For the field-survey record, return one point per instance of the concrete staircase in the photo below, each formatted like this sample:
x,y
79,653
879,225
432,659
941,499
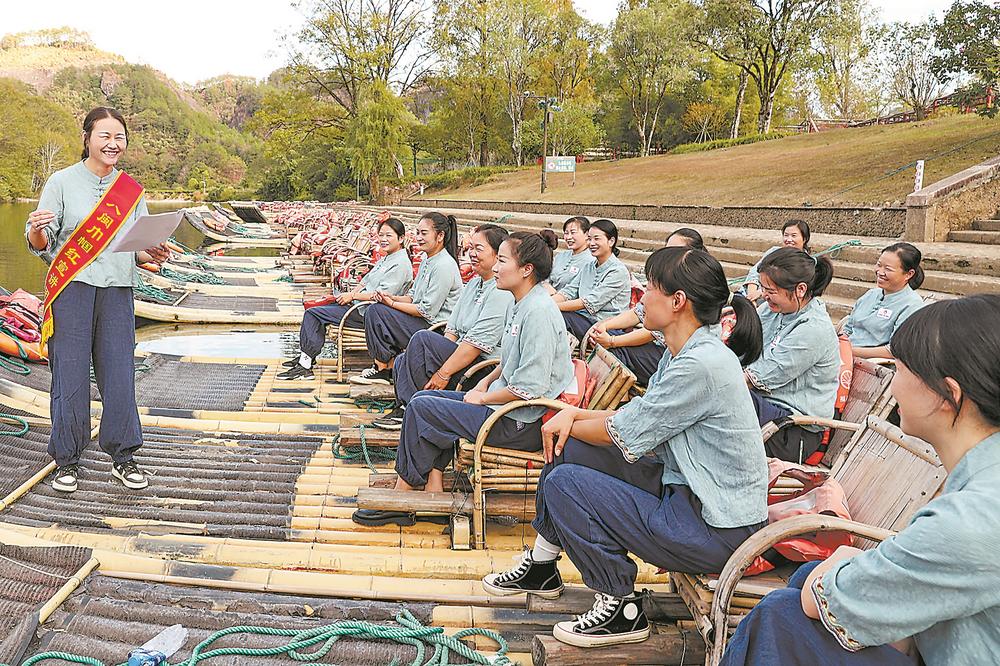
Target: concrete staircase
x,y
952,269
986,232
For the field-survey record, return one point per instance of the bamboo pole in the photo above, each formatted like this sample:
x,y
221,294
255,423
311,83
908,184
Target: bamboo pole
x,y
67,589
23,489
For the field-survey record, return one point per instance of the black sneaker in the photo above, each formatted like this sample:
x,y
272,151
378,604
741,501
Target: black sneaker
x,y
65,480
291,363
541,578
373,375
130,475
612,621
296,372
377,517
391,421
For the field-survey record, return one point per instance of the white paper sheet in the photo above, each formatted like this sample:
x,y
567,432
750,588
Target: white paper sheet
x,y
146,232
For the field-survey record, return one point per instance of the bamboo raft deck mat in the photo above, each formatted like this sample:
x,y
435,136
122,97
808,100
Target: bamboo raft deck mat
x,y
199,308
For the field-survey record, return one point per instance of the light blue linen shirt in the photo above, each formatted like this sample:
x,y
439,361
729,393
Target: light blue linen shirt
x,y
877,315
566,266
71,195
938,580
606,290
800,366
436,287
392,274
698,419
534,353
480,316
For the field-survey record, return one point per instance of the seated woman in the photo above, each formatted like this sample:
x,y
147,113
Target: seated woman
x,y
686,507
566,265
390,275
392,320
799,371
795,234
602,288
639,349
880,312
932,592
433,361
534,363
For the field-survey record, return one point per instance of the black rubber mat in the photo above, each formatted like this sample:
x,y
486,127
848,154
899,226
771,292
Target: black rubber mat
x,y
229,303
21,456
170,383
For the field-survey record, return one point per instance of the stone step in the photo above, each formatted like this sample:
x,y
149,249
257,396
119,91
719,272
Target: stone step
x,y
979,237
986,225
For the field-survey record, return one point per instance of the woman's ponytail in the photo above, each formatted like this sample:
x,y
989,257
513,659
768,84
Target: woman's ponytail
x,y
747,338
451,236
823,277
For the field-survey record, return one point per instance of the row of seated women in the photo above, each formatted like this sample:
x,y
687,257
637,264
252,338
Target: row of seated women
x,y
678,476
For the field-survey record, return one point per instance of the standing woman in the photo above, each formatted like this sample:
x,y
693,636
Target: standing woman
x,y
882,310
931,593
602,288
391,274
89,311
566,265
686,507
534,363
640,349
392,320
799,370
432,361
795,234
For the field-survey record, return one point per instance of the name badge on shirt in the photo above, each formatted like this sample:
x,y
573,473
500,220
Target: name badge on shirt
x,y
574,269
884,313
514,328
774,343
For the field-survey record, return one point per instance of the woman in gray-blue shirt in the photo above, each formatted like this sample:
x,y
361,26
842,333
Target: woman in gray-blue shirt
x,y
602,288
534,363
676,477
794,234
567,264
392,320
432,361
881,311
94,315
931,593
799,370
392,274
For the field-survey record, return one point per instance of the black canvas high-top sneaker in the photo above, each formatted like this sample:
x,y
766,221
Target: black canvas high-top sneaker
x,y
612,621
541,578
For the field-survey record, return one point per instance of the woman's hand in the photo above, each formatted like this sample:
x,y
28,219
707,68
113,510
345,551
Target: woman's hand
x,y
556,432
345,299
439,382
159,254
40,219
599,335
474,397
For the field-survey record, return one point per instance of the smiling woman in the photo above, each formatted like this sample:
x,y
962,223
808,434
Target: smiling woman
x,y
89,317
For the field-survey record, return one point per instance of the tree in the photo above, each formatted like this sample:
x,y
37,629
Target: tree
x,y
703,120
844,45
763,38
909,52
647,55
376,134
968,43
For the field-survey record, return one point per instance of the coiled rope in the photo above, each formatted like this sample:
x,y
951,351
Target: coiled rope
x,y
357,453
11,364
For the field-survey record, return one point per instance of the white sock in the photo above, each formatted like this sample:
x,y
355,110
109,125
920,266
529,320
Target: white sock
x,y
544,551
305,361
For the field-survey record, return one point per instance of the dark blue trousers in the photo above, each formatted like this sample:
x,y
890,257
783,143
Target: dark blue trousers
x,y
312,332
388,331
578,324
599,517
791,443
777,631
766,410
436,420
424,356
642,360
93,323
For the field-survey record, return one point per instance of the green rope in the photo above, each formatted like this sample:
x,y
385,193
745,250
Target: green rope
x,y
322,639
205,266
374,405
18,366
363,451
6,418
154,293
195,276
246,231
284,278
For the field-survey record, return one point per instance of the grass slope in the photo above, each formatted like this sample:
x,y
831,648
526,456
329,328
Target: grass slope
x,y
784,172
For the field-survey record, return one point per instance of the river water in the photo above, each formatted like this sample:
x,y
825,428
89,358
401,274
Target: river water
x,y
21,269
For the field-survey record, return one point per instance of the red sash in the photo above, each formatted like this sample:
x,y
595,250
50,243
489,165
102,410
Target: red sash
x,y
88,240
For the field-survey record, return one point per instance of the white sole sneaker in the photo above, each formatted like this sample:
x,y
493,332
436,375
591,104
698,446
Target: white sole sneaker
x,y
498,591
129,484
64,487
567,636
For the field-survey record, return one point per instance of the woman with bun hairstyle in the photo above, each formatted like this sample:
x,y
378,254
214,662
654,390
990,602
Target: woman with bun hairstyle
x,y
677,477
798,372
392,320
392,274
931,593
881,311
534,363
602,288
567,264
